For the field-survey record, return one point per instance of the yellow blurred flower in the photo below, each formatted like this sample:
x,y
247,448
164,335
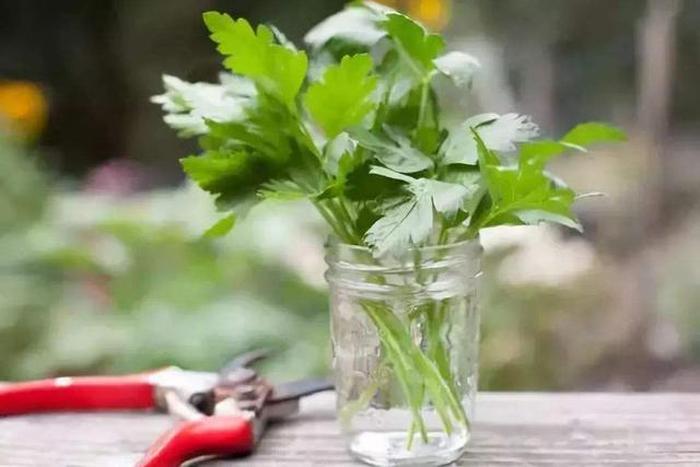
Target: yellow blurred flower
x,y
433,13
23,107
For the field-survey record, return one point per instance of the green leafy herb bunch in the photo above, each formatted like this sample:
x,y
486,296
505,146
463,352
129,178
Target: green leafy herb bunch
x,y
354,126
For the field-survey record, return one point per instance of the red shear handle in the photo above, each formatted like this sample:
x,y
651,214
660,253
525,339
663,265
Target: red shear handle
x,y
80,393
209,436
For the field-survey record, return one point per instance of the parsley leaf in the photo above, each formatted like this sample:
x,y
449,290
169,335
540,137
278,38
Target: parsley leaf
x,y
334,151
589,133
394,151
341,161
408,221
344,96
221,227
281,190
229,175
417,47
363,187
538,153
275,68
267,129
498,133
189,105
388,173
458,66
358,23
522,193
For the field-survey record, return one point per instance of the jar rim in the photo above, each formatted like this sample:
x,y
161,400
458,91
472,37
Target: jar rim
x,y
358,258
333,242
354,267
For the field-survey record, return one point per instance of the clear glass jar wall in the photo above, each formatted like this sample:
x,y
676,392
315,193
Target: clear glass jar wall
x,y
405,351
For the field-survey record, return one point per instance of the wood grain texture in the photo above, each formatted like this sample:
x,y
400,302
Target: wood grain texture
x,y
510,429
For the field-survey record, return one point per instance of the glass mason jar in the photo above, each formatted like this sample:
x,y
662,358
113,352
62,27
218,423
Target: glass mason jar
x,y
405,348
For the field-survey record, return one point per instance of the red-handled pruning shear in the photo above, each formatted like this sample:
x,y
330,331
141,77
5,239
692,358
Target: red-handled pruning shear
x,y
223,414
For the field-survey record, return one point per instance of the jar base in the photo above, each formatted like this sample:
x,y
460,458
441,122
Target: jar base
x,y
388,448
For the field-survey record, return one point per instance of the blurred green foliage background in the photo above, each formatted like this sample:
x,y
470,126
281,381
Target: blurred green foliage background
x,y
103,267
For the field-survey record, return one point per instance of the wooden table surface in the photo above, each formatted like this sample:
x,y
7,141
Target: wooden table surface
x,y
569,429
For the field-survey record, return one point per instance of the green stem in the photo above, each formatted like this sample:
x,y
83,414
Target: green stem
x,y
347,219
409,361
438,353
444,231
435,320
365,397
401,367
425,86
337,226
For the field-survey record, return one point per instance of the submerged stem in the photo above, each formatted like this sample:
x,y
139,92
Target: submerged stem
x,y
401,366
418,376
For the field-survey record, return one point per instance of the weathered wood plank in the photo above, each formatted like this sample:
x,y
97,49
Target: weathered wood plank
x,y
510,429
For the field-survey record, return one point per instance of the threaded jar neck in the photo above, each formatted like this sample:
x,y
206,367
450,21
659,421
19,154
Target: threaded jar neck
x,y
439,269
